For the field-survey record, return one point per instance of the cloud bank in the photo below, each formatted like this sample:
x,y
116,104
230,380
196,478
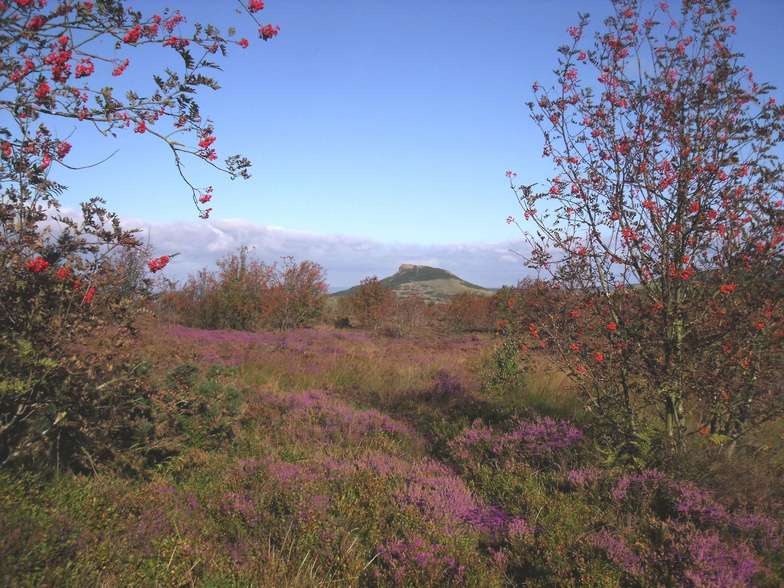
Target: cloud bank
x,y
345,259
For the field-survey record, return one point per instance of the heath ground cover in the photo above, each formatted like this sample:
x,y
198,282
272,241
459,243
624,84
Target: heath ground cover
x,y
331,456
617,421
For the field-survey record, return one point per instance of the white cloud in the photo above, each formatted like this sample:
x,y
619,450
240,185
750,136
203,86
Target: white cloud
x,y
346,259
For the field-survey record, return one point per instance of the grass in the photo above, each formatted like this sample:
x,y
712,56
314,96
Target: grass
x,y
326,457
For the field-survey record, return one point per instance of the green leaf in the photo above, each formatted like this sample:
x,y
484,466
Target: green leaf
x,y
718,439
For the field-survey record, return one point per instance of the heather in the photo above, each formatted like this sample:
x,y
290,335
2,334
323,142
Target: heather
x,y
615,422
371,468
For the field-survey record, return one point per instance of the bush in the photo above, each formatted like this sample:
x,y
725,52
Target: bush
x,y
247,294
368,304
407,316
468,313
297,296
663,222
71,391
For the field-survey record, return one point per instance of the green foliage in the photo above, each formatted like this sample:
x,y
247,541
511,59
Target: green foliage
x,y
263,475
506,369
641,450
72,390
183,376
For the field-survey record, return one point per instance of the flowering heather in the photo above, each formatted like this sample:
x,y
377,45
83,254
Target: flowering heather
x,y
322,467
241,504
192,501
320,502
238,551
519,528
703,553
492,521
295,340
685,500
583,477
617,551
428,488
337,417
287,473
714,563
690,557
417,561
766,531
540,441
478,433
446,387
152,525
544,436
642,481
383,464
697,504
312,508
332,468
439,495
165,490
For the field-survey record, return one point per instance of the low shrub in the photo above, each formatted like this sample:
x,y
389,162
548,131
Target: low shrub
x,y
247,294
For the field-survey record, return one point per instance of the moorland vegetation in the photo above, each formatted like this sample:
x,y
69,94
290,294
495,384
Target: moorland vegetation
x,y
615,422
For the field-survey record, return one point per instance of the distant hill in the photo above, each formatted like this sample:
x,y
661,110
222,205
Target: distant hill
x,y
431,283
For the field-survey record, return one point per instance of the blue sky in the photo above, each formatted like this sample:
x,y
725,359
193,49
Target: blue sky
x,y
391,122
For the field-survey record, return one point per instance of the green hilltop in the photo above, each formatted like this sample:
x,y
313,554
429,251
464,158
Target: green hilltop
x,y
431,283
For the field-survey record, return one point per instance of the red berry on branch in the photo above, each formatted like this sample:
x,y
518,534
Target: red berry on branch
x,y
269,31
89,295
37,265
158,263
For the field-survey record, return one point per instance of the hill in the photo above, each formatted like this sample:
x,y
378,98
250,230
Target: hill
x,y
431,283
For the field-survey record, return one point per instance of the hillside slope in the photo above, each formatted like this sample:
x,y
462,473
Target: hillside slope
x,y
431,283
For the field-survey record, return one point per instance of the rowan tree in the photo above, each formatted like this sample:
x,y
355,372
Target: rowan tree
x,y
664,222
63,61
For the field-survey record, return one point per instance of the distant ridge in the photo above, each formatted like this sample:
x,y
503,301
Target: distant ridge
x,y
431,283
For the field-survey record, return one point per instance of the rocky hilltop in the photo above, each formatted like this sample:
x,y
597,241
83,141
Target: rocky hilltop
x,y
431,283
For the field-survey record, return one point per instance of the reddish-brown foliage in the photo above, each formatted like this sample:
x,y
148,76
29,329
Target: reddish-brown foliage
x,y
245,293
369,303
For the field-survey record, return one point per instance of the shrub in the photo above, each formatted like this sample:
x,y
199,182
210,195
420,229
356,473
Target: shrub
x,y
544,443
506,370
369,303
662,224
247,294
407,316
468,313
71,391
228,298
297,296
